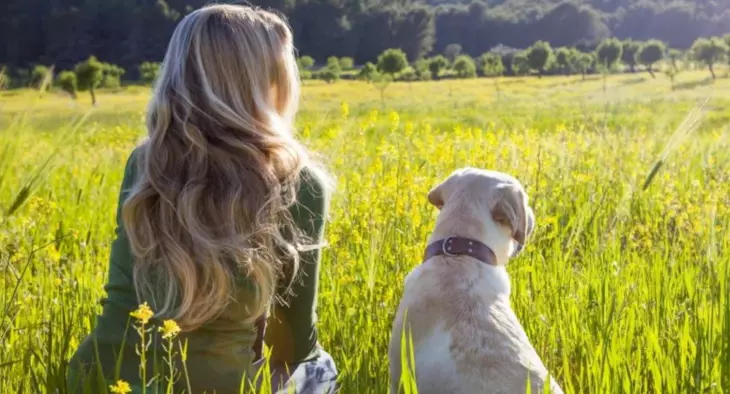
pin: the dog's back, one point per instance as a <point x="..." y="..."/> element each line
<point x="455" y="306"/>
<point x="465" y="337"/>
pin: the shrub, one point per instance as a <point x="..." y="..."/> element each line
<point x="464" y="67"/>
<point x="392" y="61"/>
<point x="367" y="72"/>
<point x="346" y="63"/>
<point x="66" y="81"/>
<point x="40" y="77"/>
<point x="89" y="74"/>
<point x="148" y="71"/>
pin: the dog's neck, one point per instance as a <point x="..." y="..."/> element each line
<point x="484" y="230"/>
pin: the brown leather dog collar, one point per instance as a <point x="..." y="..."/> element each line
<point x="458" y="246"/>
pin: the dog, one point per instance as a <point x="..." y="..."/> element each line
<point x="455" y="305"/>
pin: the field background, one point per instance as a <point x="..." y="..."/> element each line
<point x="620" y="290"/>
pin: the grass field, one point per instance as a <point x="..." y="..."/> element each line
<point x="622" y="290"/>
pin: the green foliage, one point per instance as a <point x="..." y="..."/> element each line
<point x="538" y="56"/>
<point x="562" y="59"/>
<point x="421" y="68"/>
<point x="651" y="52"/>
<point x="367" y="72"/>
<point x="465" y="67"/>
<point x="334" y="62"/>
<point x="407" y="75"/>
<point x="331" y="73"/>
<point x="490" y="64"/>
<point x="608" y="53"/>
<point x="66" y="81"/>
<point x="89" y="74"/>
<point x="709" y="51"/>
<point x="346" y="63"/>
<point x="148" y="71"/>
<point x="674" y="56"/>
<point x="674" y="67"/>
<point x="392" y="61"/>
<point x="437" y="64"/>
<point x="112" y="78"/>
<point x="581" y="62"/>
<point x="40" y="77"/>
<point x="305" y="62"/>
<point x="629" y="51"/>
<point x="361" y="30"/>
<point x="520" y="63"/>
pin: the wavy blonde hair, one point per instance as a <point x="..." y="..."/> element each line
<point x="220" y="167"/>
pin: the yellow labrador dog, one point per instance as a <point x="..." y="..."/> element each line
<point x="456" y="307"/>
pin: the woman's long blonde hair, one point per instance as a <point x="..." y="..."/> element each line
<point x="220" y="167"/>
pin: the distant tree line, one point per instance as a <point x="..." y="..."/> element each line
<point x="611" y="55"/>
<point x="130" y="32"/>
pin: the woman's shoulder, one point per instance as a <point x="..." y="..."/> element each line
<point x="315" y="184"/>
<point x="134" y="158"/>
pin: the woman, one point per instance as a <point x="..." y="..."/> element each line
<point x="221" y="213"/>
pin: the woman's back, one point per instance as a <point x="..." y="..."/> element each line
<point x="220" y="214"/>
<point x="222" y="348"/>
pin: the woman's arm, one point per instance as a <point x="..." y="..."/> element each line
<point x="291" y="330"/>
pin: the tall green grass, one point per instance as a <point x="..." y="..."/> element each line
<point x="623" y="288"/>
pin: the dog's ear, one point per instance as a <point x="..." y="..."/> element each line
<point x="436" y="196"/>
<point x="510" y="208"/>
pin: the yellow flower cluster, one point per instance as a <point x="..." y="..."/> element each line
<point x="143" y="314"/>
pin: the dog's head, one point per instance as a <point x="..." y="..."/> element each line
<point x="497" y="198"/>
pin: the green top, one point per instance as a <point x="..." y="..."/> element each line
<point x="220" y="352"/>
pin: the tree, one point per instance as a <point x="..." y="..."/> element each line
<point x="464" y="67"/>
<point x="392" y="61"/>
<point x="452" y="51"/>
<point x="334" y="62"/>
<point x="66" y="80"/>
<point x="674" y="67"/>
<point x="562" y="59"/>
<point x="520" y="64"/>
<point x="381" y="82"/>
<point x="346" y="63"/>
<point x="40" y="77"/>
<point x="408" y="75"/>
<point x="581" y="62"/>
<point x="437" y="64"/>
<point x="675" y="56"/>
<point x="329" y="74"/>
<point x="538" y="56"/>
<point x="608" y="53"/>
<point x="305" y="62"/>
<point x="629" y="49"/>
<point x="709" y="52"/>
<point x="420" y="67"/>
<point x="651" y="52"/>
<point x="490" y="64"/>
<point x="367" y="72"/>
<point x="112" y="76"/>
<point x="148" y="71"/>
<point x="89" y="74"/>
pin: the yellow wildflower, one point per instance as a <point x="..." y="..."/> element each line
<point x="121" y="387"/>
<point x="169" y="329"/>
<point x="345" y="108"/>
<point x="143" y="313"/>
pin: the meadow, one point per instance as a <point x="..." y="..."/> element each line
<point x="623" y="287"/>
